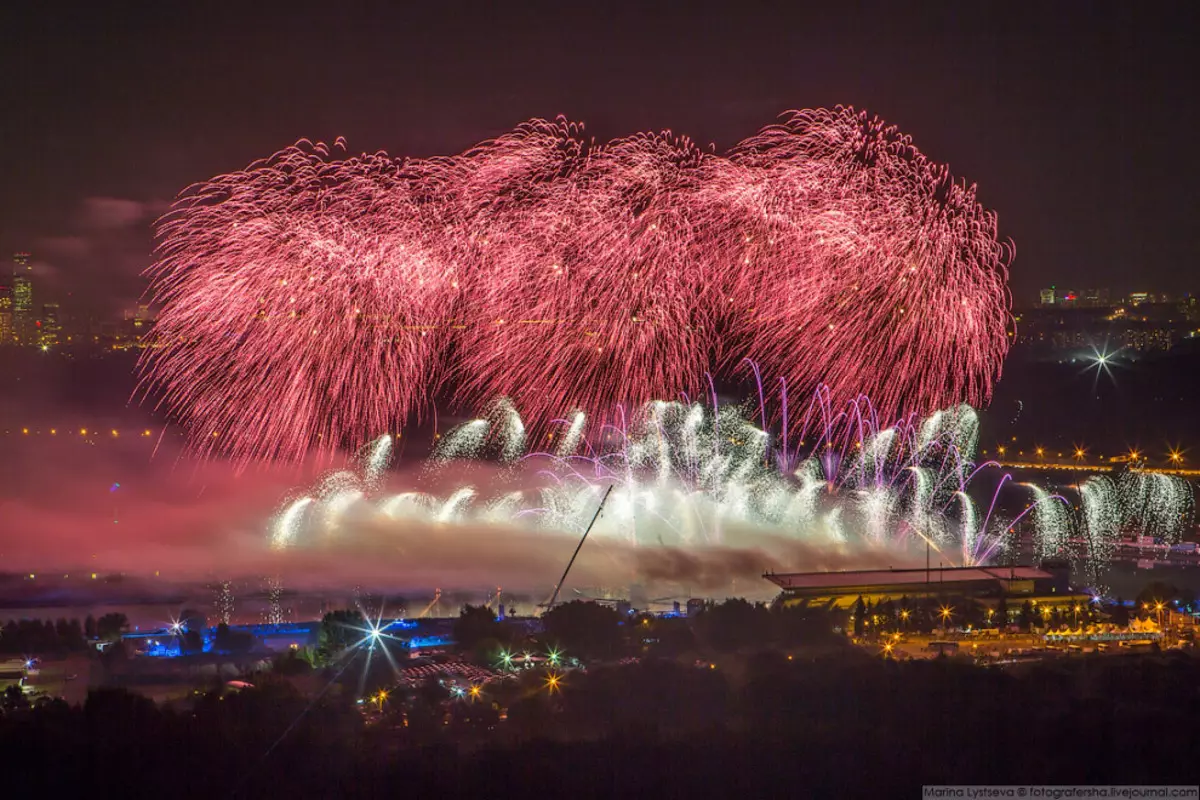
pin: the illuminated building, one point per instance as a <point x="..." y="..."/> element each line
<point x="1047" y="296"/>
<point x="1046" y="585"/>
<point x="50" y="328"/>
<point x="1138" y="298"/>
<point x="24" y="323"/>
<point x="6" y="315"/>
<point x="1094" y="298"/>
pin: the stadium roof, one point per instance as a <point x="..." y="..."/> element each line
<point x="891" y="577"/>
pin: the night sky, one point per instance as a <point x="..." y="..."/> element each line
<point x="1077" y="120"/>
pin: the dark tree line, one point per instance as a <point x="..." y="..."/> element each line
<point x="847" y="725"/>
<point x="38" y="637"/>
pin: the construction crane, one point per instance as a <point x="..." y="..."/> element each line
<point x="558" y="586"/>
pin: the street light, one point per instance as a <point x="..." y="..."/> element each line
<point x="946" y="613"/>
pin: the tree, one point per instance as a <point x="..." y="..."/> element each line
<point x="1027" y="616"/>
<point x="110" y="627"/>
<point x="475" y="624"/>
<point x="293" y="662"/>
<point x="1001" y="618"/>
<point x="340" y="630"/>
<point x="76" y="635"/>
<point x="860" y="615"/>
<point x="887" y="610"/>
<point x="89" y="627"/>
<point x="735" y="624"/>
<point x="13" y="700"/>
<point x="584" y="628"/>
<point x="804" y="626"/>
<point x="193" y="620"/>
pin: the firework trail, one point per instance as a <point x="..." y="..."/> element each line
<point x="683" y="473"/>
<point x="313" y="300"/>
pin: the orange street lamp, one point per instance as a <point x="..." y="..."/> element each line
<point x="946" y="613"/>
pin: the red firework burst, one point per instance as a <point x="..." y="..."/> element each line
<point x="310" y="301"/>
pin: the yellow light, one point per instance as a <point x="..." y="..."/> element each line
<point x="114" y="433"/>
<point x="83" y="431"/>
<point x="53" y="431"/>
<point x="25" y="431"/>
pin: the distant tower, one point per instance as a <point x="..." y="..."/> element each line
<point x="6" y="315"/>
<point x="50" y="333"/>
<point x="24" y="322"/>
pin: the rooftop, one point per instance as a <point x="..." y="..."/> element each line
<point x="876" y="577"/>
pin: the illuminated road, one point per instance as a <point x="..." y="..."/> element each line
<point x="1111" y="467"/>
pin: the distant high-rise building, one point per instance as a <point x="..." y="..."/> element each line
<point x="1094" y="298"/>
<point x="6" y="315"/>
<point x="50" y="330"/>
<point x="1047" y="296"/>
<point x="1137" y="298"/>
<point x="24" y="322"/>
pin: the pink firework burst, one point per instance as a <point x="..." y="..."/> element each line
<point x="310" y="301"/>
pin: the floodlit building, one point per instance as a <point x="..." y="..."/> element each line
<point x="24" y="321"/>
<point x="50" y="328"/>
<point x="1046" y="585"/>
<point x="6" y="315"/>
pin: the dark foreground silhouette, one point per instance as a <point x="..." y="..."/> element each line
<point x="845" y="725"/>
